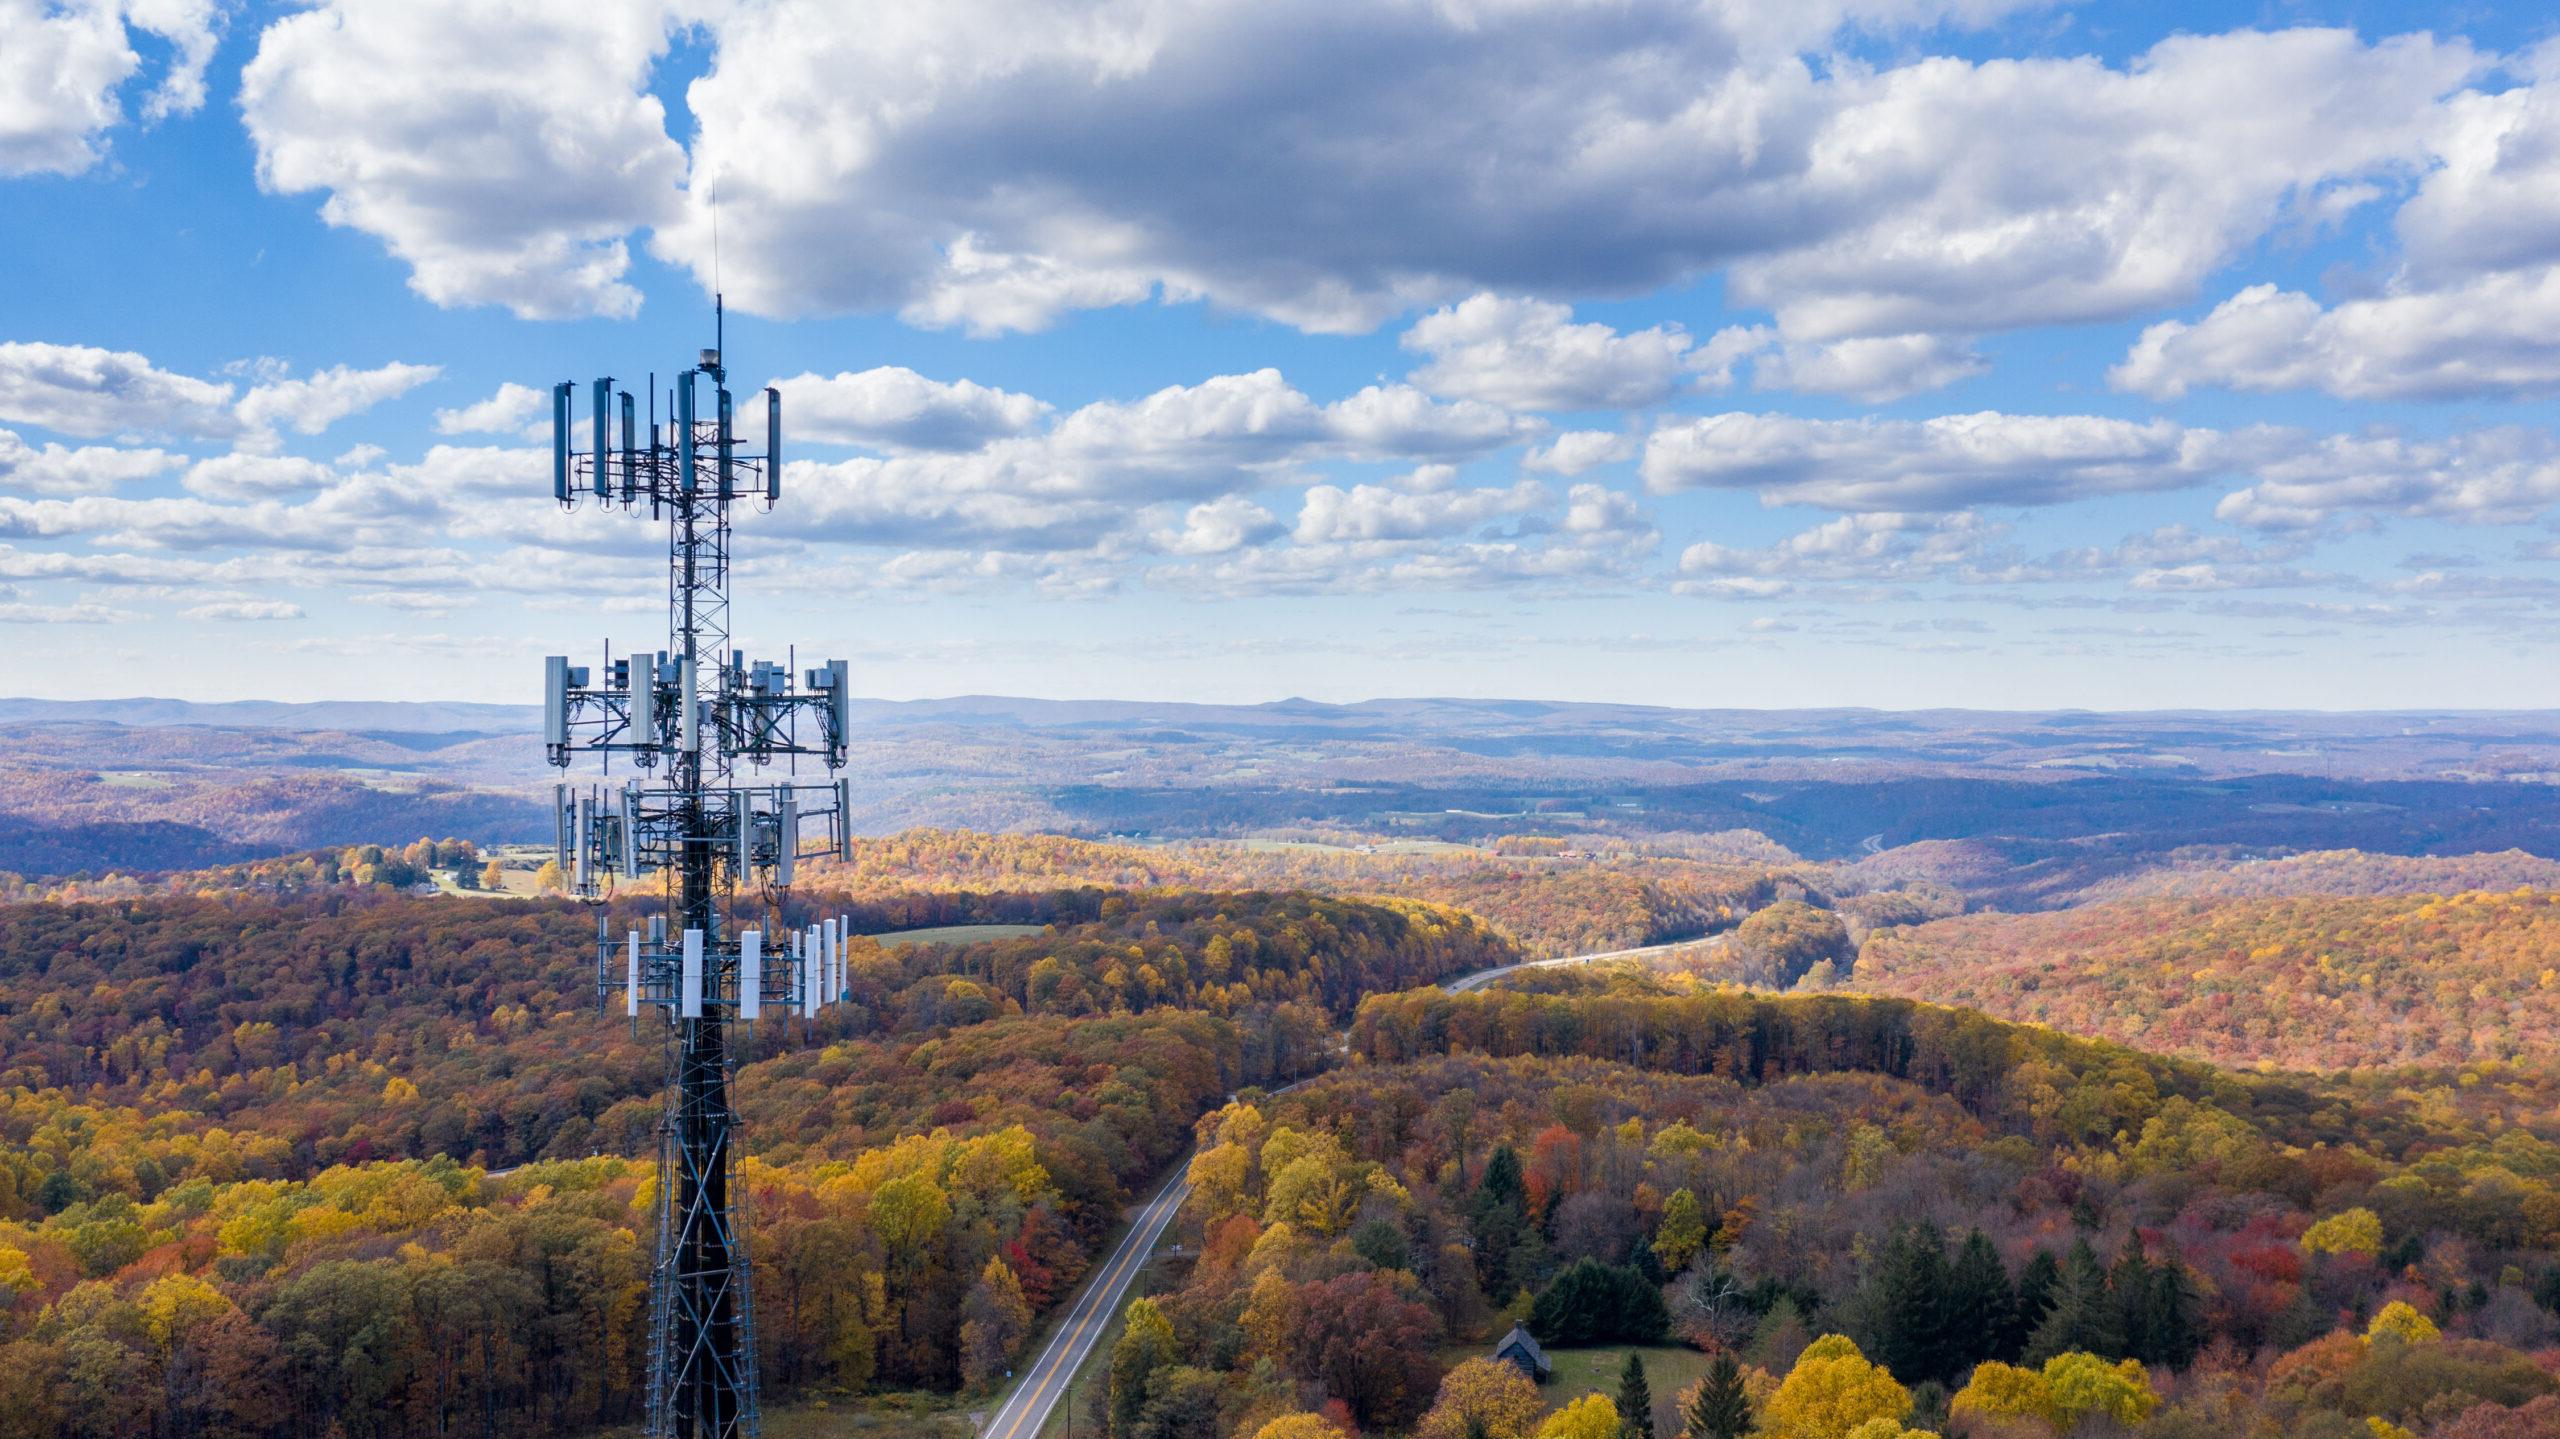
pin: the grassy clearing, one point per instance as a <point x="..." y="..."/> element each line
<point x="954" y="934"/>
<point x="1667" y="1371"/>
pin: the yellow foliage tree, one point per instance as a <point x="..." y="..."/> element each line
<point x="2071" y="1387"/>
<point x="2081" y="1385"/>
<point x="2002" y="1391"/>
<point x="1832" y="1390"/>
<point x="17" y="1276"/>
<point x="2350" y="1231"/>
<point x="2398" y="1321"/>
<point x="1592" y="1416"/>
<point x="1299" y="1426"/>
<point x="173" y="1304"/>
<point x="1499" y="1399"/>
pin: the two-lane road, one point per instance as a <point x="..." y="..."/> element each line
<point x="1042" y="1388"/>
<point x="1482" y="977"/>
<point x="1046" y="1384"/>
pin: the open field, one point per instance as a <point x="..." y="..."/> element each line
<point x="954" y="934"/>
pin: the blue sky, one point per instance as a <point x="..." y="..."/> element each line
<point x="1883" y="352"/>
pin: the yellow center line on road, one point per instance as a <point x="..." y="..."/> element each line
<point x="1067" y="1351"/>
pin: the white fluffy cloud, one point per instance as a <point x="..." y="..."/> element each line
<point x="2495" y="335"/>
<point x="993" y="164"/>
<point x="1082" y="478"/>
<point x="1871" y="548"/>
<point x="2492" y="476"/>
<point x="84" y="390"/>
<point x="64" y="68"/>
<point x="1948" y="463"/>
<point x="2473" y="308"/>
<point x="308" y="406"/>
<point x="1530" y="355"/>
<point x="1873" y="368"/>
<point x="502" y="149"/>
<point x="1331" y="514"/>
<point x="512" y="410"/>
<point x="243" y="476"/>
<point x="1220" y="526"/>
<point x="1577" y="451"/>
<point x="1968" y="196"/>
<point x="53" y="469"/>
<point x="893" y="406"/>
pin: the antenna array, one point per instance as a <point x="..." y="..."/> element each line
<point x="722" y="850"/>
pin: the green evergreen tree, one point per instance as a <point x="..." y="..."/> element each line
<point x="1722" y="1410"/>
<point x="1498" y="1214"/>
<point x="2174" y="1325"/>
<point x="1981" y="1307"/>
<point x="2036" y="1283"/>
<point x="2083" y="1316"/>
<point x="1635" y="1399"/>
<point x="2129" y="1296"/>
<point x="1906" y="1308"/>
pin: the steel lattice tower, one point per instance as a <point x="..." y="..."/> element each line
<point x="723" y="853"/>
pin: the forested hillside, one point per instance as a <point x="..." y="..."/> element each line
<point x="2313" y="982"/>
<point x="230" y="1201"/>
<point x="1552" y="898"/>
<point x="2019" y="1227"/>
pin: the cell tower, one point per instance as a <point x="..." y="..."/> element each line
<point x="715" y="952"/>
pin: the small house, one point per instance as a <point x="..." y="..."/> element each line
<point x="1521" y="1352"/>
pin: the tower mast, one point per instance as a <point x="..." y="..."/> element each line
<point x="716" y="953"/>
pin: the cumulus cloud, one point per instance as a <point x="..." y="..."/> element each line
<point x="1220" y="526"/>
<point x="2493" y="476"/>
<point x="991" y="165"/>
<point x="895" y="407"/>
<point x="308" y="406"/>
<point x="1528" y="354"/>
<point x="1870" y="548"/>
<point x="53" y="469"/>
<point x="501" y="149"/>
<point x="64" y="69"/>
<point x="2473" y="308"/>
<point x="84" y="390"/>
<point x="1967" y="200"/>
<point x="245" y="476"/>
<point x="1875" y="368"/>
<point x="2495" y="335"/>
<point x="1577" y="451"/>
<point x="1331" y="514"/>
<point x="1948" y="463"/>
<point x="513" y="410"/>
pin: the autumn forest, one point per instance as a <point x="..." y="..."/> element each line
<point x="291" y="1151"/>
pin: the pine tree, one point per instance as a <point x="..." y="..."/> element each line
<point x="2036" y="1283"/>
<point x="2083" y="1316"/>
<point x="1635" y="1399"/>
<point x="1721" y="1410"/>
<point x="1981" y="1307"/>
<point x="1498" y="1213"/>
<point x="2129" y="1296"/>
<point x="2175" y="1327"/>
<point x="1906" y="1305"/>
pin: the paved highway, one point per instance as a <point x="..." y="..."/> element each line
<point x="1037" y="1394"/>
<point x="1483" y="977"/>
<point x="1045" y="1386"/>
